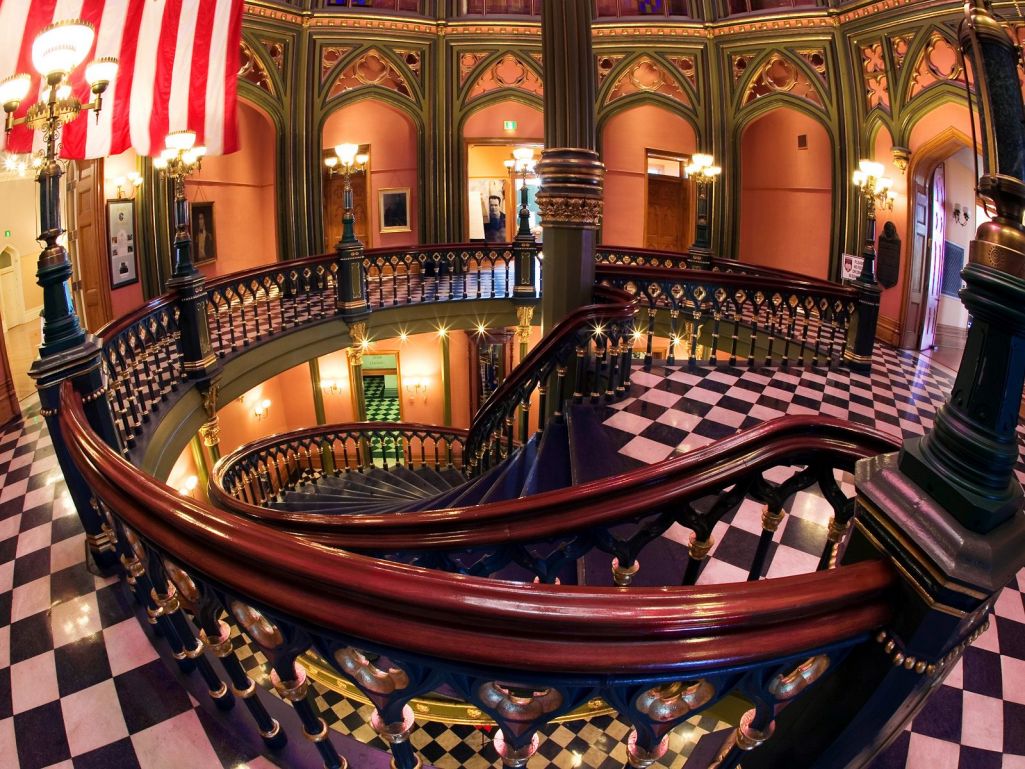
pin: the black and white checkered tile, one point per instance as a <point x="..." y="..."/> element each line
<point x="382" y="404"/>
<point x="81" y="684"/>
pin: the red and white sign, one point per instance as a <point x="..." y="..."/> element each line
<point x="850" y="266"/>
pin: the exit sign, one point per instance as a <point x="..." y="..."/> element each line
<point x="7" y="233"/>
<point x="509" y="125"/>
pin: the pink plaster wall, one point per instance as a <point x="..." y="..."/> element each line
<point x="122" y="300"/>
<point x="392" y="137"/>
<point x="291" y="397"/>
<point x="241" y="187"/>
<point x="625" y="139"/>
<point x="486" y="123"/>
<point x="786" y="194"/>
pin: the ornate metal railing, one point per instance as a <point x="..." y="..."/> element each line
<point x="143" y="363"/>
<point x="522" y="654"/>
<point x="280" y="462"/>
<point x="725" y="316"/>
<point x="544" y="534"/>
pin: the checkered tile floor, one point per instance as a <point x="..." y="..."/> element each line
<point x="81" y="685"/>
<point x="380" y="407"/>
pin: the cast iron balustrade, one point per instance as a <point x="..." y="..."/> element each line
<point x="523" y="654"/>
<point x="142" y="361"/>
<point x="769" y="463"/>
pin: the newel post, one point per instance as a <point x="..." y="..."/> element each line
<point x="947" y="510"/>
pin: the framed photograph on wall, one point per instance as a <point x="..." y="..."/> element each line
<point x="124" y="264"/>
<point x="393" y="204"/>
<point x="487" y="199"/>
<point x="204" y="236"/>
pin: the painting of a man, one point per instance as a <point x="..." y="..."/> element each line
<point x="487" y="210"/>
<point x="494" y="225"/>
<point x="204" y="243"/>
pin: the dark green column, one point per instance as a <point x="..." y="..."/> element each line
<point x="570" y="199"/>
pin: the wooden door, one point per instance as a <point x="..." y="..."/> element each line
<point x="334" y="208"/>
<point x="11" y="298"/>
<point x="916" y="285"/>
<point x="9" y="408"/>
<point x="934" y="266"/>
<point x="87" y="243"/>
<point x="667" y="216"/>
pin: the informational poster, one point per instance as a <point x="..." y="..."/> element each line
<point x="121" y="226"/>
<point x="850" y="266"/>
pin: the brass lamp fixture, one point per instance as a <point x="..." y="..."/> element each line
<point x="704" y="171"/>
<point x="522" y="163"/>
<point x="57" y="51"/>
<point x="348" y="160"/>
<point x="180" y="158"/>
<point x="131" y="180"/>
<point x="877" y="190"/>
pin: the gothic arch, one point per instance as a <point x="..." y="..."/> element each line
<point x="794" y="72"/>
<point x="496" y="75"/>
<point x="369" y="69"/>
<point x="672" y="86"/>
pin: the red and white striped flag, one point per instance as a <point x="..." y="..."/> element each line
<point x="178" y="69"/>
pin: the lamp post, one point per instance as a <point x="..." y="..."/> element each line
<point x="348" y="160"/>
<point x="703" y="170"/>
<point x="56" y="52"/>
<point x="524" y="245"/>
<point x="351" y="298"/>
<point x="180" y="158"/>
<point x="876" y="190"/>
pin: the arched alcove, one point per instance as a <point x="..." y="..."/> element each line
<point x="626" y="139"/>
<point x="786" y="193"/>
<point x="389" y="136"/>
<point x="241" y="189"/>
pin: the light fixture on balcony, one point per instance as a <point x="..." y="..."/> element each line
<point x="877" y="190"/>
<point x="347" y="160"/>
<point x="960" y="214"/>
<point x="704" y="171"/>
<point x="331" y="385"/>
<point x="180" y="158"/>
<point x="190" y="485"/>
<point x="522" y="163"/>
<point x="261" y="409"/>
<point x="57" y="51"/>
<point x="131" y="180"/>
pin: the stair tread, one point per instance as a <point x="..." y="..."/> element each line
<point x="550" y="470"/>
<point x="477" y="488"/>
<point x="591" y="453"/>
<point x="439" y="481"/>
<point x="415" y="480"/>
<point x="509" y="484"/>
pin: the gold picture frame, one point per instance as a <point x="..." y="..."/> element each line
<point x="393" y="208"/>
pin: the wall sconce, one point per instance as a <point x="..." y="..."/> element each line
<point x="416" y="387"/>
<point x="261" y="409"/>
<point x="961" y="214"/>
<point x="876" y="188"/>
<point x="332" y="385"/>
<point x="132" y="180"/>
<point x="20" y="164"/>
<point x="901" y="158"/>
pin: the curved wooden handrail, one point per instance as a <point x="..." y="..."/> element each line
<point x="621" y="306"/>
<point x="476" y="621"/>
<point x="558" y="512"/>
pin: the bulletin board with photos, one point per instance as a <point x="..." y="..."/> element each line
<point x="124" y="263"/>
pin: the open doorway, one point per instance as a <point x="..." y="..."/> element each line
<point x="381" y="387"/>
<point x="668" y="225"/>
<point x="944" y="219"/>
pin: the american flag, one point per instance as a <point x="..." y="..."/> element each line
<point x="178" y="67"/>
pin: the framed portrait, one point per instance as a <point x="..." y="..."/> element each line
<point x="124" y="264"/>
<point x="487" y="210"/>
<point x="393" y="203"/>
<point x="204" y="236"/>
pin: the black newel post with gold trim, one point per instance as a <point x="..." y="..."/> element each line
<point x="571" y="174"/>
<point x="947" y="510"/>
<point x="68" y="352"/>
<point x="351" y="301"/>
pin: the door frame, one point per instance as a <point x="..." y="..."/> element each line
<point x="689" y="190"/>
<point x="10" y="318"/>
<point x="924" y="161"/>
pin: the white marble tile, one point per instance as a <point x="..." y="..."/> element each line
<point x="33" y="682"/>
<point x="983" y="722"/>
<point x="175" y="743"/>
<point x="93" y="718"/>
<point x="30" y="598"/>
<point x="75" y="619"/>
<point x="128" y="646"/>
<point x="67" y="552"/>
<point x="34" y="539"/>
<point x="646" y="450"/>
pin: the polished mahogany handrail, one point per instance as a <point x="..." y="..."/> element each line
<point x="555" y="513"/>
<point x="533" y="627"/>
<point x="620" y="306"/>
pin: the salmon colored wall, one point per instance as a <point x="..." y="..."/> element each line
<point x="291" y="407"/>
<point x="487" y="122"/>
<point x="392" y="137"/>
<point x="625" y="140"/>
<point x="786" y="194"/>
<point x="420" y="358"/>
<point x="960" y="182"/>
<point x="337" y="402"/>
<point x="127" y="298"/>
<point x="241" y="187"/>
